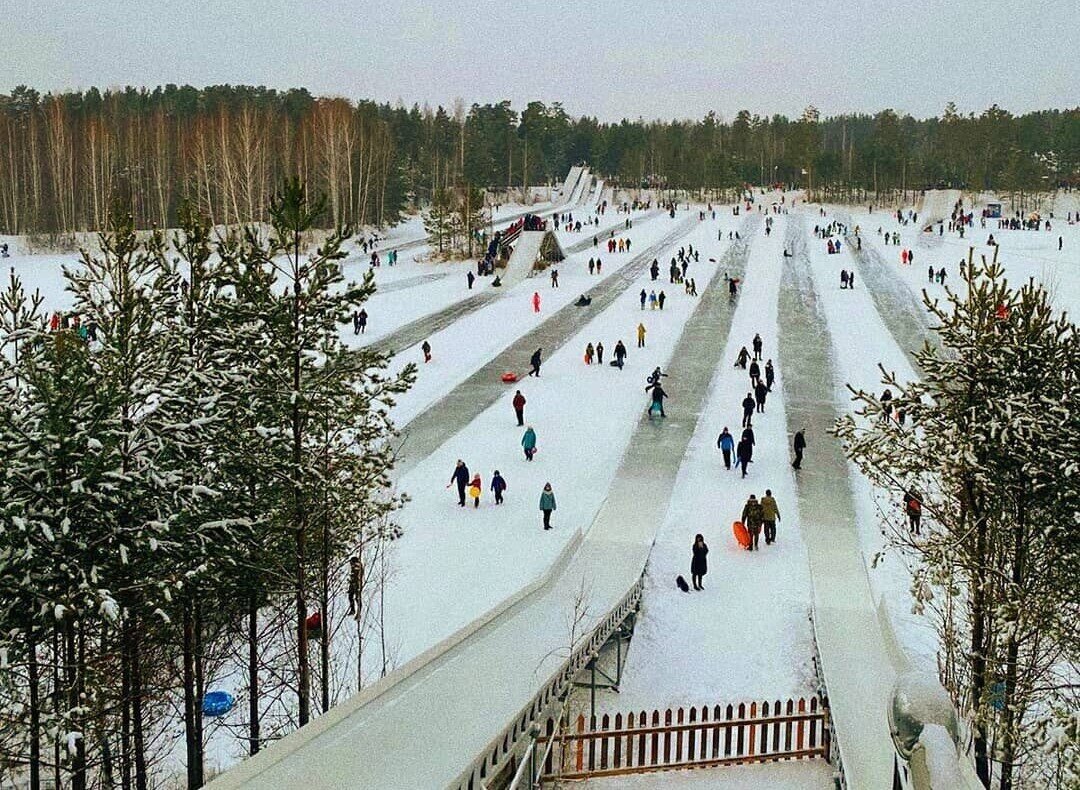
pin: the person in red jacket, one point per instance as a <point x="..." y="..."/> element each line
<point x="536" y="301"/>
<point x="519" y="407"/>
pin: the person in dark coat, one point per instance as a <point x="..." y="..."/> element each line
<point x="748" y="434"/>
<point x="747" y="410"/>
<point x="726" y="443"/>
<point x="599" y="353"/>
<point x="755" y="373"/>
<point x="461" y="478"/>
<point x="770" y="514"/>
<point x="752" y="519"/>
<point x="742" y="358"/>
<point x="770" y="375"/>
<point x="699" y="566"/>
<point x="757" y="346"/>
<point x="620" y="355"/>
<point x="471" y="278"/>
<point x="760" y="391"/>
<point x="913" y="510"/>
<point x="744" y="455"/>
<point x="426" y="348"/>
<point x="519" y="407"/>
<point x="658" y="396"/>
<point x="498" y="485"/>
<point x="534" y="360"/>
<point x="799" y="445"/>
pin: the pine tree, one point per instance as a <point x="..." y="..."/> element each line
<point x="992" y="453"/>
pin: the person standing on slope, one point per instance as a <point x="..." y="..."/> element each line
<point x="770" y="375"/>
<point x="757" y="346"/>
<point x="599" y="353"/>
<point x="536" y="301"/>
<point x="699" y="565"/>
<point x="644" y="296"/>
<point x="534" y="360"/>
<point x="641" y="335"/>
<point x="475" y="489"/>
<point x="460" y="477"/>
<point x="760" y="392"/>
<point x="519" y="407"/>
<point x="726" y="443"/>
<point x="620" y="355"/>
<point x="755" y="373"/>
<point x="547" y="504"/>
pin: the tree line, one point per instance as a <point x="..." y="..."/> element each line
<point x="69" y="156"/>
<point x="195" y="481"/>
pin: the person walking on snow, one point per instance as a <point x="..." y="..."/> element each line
<point x="799" y="445"/>
<point x="770" y="375"/>
<point x="460" y="477"/>
<point x="534" y="360"/>
<point x="498" y="486"/>
<point x="589" y="351"/>
<point x="760" y="392"/>
<point x="536" y="301"/>
<point x="644" y="296"/>
<point x="475" y="487"/>
<point x="547" y="504"/>
<point x="600" y="353"/>
<point x="755" y="373"/>
<point x="748" y="405"/>
<point x="744" y="454"/>
<point x="699" y="566"/>
<point x="757" y="346"/>
<point x="528" y="443"/>
<point x="519" y="407"/>
<point x="661" y="299"/>
<point x="652" y="300"/>
<point x="426" y="348"/>
<point x="471" y="278"/>
<point x="752" y="519"/>
<point x="554" y="278"/>
<point x="726" y="443"/>
<point x="770" y="514"/>
<point x="641" y="335"/>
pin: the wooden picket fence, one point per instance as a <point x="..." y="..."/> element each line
<point x="699" y="737"/>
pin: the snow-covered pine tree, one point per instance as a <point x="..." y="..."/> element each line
<point x="991" y="451"/>
<point x="322" y="408"/>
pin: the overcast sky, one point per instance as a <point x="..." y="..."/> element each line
<point x="598" y="57"/>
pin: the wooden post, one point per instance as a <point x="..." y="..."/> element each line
<point x="800" y="727"/>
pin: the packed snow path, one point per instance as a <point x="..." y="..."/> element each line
<point x="431" y="428"/>
<point x="856" y="662"/>
<point x="480" y="684"/>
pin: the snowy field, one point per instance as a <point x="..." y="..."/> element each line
<point x="747" y="635"/>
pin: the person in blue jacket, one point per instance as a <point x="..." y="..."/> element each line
<point x="726" y="443"/>
<point x="528" y="443"/>
<point x="547" y="504"/>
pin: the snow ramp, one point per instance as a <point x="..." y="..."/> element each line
<point x="530" y="247"/>
<point x="581" y="188"/>
<point x="570" y="183"/>
<point x="938" y="205"/>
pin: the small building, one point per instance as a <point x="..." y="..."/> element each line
<point x="993" y="209"/>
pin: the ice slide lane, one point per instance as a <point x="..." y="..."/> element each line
<point x="415" y="331"/>
<point x="426" y="728"/>
<point x="440" y="421"/>
<point x="855" y="657"/>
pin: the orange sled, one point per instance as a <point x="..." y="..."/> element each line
<point x="742" y="535"/>
<point x="509" y="377"/>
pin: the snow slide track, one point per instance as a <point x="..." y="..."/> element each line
<point x="853" y="645"/>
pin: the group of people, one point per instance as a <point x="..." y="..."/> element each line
<point x="595" y="354"/>
<point x="62" y="321"/>
<point x="620" y="244"/>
